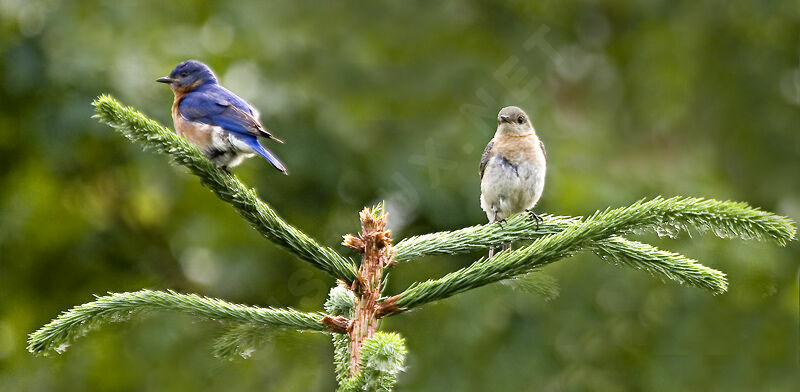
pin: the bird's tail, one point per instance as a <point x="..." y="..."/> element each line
<point x="267" y="154"/>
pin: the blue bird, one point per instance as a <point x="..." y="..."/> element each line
<point x="224" y="126"/>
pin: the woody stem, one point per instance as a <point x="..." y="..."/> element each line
<point x="375" y="244"/>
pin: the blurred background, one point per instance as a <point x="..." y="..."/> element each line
<point x="396" y="101"/>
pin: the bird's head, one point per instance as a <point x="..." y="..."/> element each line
<point x="513" y="121"/>
<point x="189" y="75"/>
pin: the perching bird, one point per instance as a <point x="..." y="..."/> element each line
<point x="225" y="127"/>
<point x="512" y="168"/>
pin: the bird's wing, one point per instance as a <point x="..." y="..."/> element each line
<point x="485" y="158"/>
<point x="222" y="108"/>
<point x="541" y="144"/>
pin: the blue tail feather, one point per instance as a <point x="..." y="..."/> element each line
<point x="267" y="154"/>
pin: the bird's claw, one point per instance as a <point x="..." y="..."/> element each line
<point x="534" y="216"/>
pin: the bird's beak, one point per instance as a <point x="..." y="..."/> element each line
<point x="505" y="119"/>
<point x="165" y="79"/>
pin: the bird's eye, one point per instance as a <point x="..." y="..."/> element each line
<point x="521" y="119"/>
<point x="184" y="74"/>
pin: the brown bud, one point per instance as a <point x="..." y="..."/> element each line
<point x="353" y="242"/>
<point x="338" y="324"/>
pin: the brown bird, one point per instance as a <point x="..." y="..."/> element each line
<point x="512" y="168"/>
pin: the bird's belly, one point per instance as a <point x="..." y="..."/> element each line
<point x="238" y="144"/>
<point x="507" y="189"/>
<point x="217" y="144"/>
<point x="201" y="135"/>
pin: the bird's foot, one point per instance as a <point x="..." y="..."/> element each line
<point x="534" y="216"/>
<point x="500" y="222"/>
<point x="501" y="248"/>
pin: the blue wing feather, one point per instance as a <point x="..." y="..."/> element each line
<point x="215" y="105"/>
<point x="252" y="141"/>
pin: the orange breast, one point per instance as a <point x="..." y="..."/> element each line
<point x="518" y="149"/>
<point x="197" y="134"/>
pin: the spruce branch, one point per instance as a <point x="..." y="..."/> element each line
<point x="535" y="282"/>
<point x="240" y="340"/>
<point x="616" y="250"/>
<point x="341" y="357"/>
<point x="341" y="302"/>
<point x="723" y="218"/>
<point x="660" y="263"/>
<point x="137" y="127"/>
<point x="376" y="254"/>
<point x="117" y="307"/>
<point x="479" y="237"/>
<point x="382" y="358"/>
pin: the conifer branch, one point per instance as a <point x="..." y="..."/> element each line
<point x="376" y="253"/>
<point x="117" y="307"/>
<point x="341" y="302"/>
<point x="240" y="340"/>
<point x="616" y="250"/>
<point x="382" y="358"/>
<point x="137" y="127"/>
<point x="725" y="219"/>
<point x="479" y="237"/>
<point x="660" y="263"/>
<point x="535" y="282"/>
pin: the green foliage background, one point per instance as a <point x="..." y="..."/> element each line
<point x="395" y="101"/>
